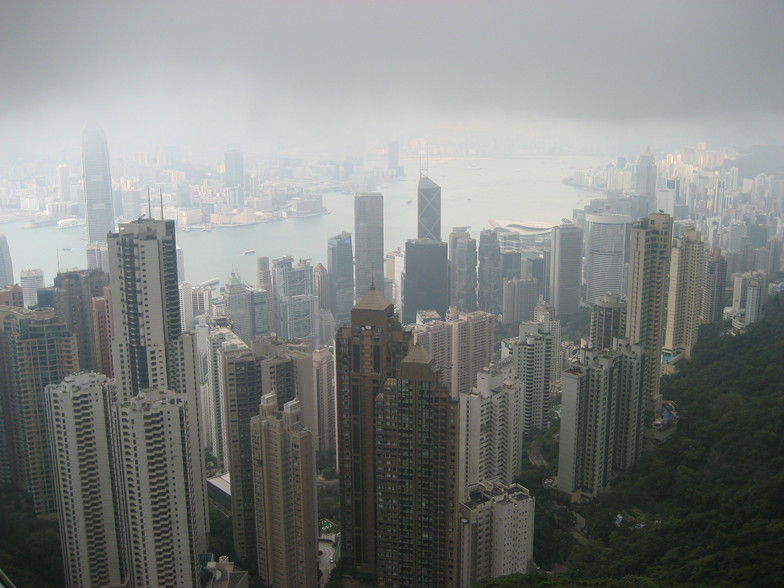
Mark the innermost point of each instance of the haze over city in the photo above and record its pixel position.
(573, 75)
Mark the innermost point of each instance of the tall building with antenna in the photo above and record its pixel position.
(97, 185)
(156, 428)
(428, 209)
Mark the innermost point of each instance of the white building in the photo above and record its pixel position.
(163, 501)
(156, 434)
(496, 532)
(31, 280)
(602, 408)
(80, 440)
(606, 236)
(535, 356)
(491, 429)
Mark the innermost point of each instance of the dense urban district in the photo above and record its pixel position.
(594, 403)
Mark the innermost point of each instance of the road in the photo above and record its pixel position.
(326, 553)
(535, 456)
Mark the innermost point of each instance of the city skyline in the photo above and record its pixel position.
(359, 293)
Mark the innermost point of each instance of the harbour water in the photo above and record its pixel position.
(473, 191)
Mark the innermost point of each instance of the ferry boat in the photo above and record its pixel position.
(68, 223)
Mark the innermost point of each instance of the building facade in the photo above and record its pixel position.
(78, 418)
(284, 483)
(646, 298)
(428, 209)
(416, 445)
(368, 241)
(366, 354)
(566, 269)
(98, 197)
(685, 294)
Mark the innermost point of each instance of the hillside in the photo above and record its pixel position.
(706, 508)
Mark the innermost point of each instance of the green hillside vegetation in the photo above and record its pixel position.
(707, 507)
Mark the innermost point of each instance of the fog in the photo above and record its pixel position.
(231, 73)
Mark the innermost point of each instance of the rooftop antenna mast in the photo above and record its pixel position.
(424, 171)
(149, 202)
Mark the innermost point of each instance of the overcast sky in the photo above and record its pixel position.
(156, 73)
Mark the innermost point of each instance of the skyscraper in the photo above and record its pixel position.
(340, 265)
(63, 179)
(393, 157)
(462, 266)
(78, 419)
(368, 241)
(156, 437)
(496, 516)
(426, 283)
(97, 185)
(73, 300)
(713, 288)
(489, 291)
(684, 302)
(284, 484)
(297, 306)
(428, 209)
(234, 175)
(6, 267)
(145, 307)
(649, 263)
(247, 309)
(163, 498)
(366, 354)
(246, 375)
(491, 428)
(608, 321)
(535, 355)
(601, 417)
(646, 180)
(459, 347)
(324, 389)
(566, 269)
(497, 532)
(36, 349)
(606, 236)
(31, 280)
(416, 446)
(520, 298)
(322, 288)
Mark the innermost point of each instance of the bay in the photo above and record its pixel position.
(473, 191)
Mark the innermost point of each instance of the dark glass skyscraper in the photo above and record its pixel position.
(340, 265)
(426, 285)
(428, 209)
(97, 185)
(490, 292)
(462, 270)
